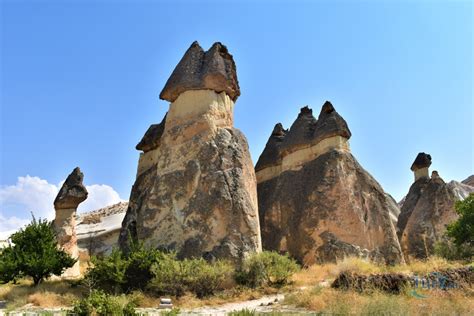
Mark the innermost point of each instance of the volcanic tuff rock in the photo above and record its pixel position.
(426, 211)
(316, 201)
(71, 194)
(195, 190)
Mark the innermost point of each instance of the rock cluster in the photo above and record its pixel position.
(71, 194)
(195, 191)
(427, 209)
(315, 200)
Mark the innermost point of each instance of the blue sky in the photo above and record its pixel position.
(80, 82)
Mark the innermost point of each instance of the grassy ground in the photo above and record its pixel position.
(308, 290)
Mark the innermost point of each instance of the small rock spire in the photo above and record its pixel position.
(420, 166)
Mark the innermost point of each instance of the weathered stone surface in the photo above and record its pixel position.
(426, 211)
(199, 70)
(72, 193)
(323, 205)
(195, 192)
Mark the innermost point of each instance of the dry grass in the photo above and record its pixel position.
(432, 302)
(308, 293)
(47, 294)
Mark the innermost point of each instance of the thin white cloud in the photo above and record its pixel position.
(35, 195)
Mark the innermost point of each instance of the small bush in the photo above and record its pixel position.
(100, 303)
(168, 276)
(108, 272)
(203, 278)
(173, 277)
(266, 268)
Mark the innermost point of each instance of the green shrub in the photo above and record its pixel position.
(458, 243)
(203, 278)
(168, 276)
(100, 303)
(243, 312)
(108, 272)
(266, 268)
(34, 253)
(139, 262)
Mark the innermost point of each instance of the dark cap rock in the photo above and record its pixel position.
(330, 124)
(301, 131)
(73, 191)
(271, 154)
(421, 161)
(198, 70)
(152, 137)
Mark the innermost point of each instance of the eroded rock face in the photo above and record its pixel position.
(316, 201)
(195, 191)
(426, 211)
(71, 194)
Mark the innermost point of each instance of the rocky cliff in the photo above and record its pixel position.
(195, 190)
(316, 201)
(427, 209)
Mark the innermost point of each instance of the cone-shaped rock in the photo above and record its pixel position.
(316, 201)
(71, 194)
(427, 209)
(195, 191)
(199, 70)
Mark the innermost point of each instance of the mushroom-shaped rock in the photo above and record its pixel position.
(199, 70)
(306, 195)
(422, 160)
(420, 166)
(73, 192)
(195, 190)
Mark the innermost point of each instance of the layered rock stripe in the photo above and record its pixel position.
(315, 200)
(195, 191)
(71, 194)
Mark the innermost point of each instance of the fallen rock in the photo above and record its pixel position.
(315, 200)
(195, 191)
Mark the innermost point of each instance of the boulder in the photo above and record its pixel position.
(195, 191)
(316, 201)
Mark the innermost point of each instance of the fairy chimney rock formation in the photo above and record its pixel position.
(421, 165)
(427, 210)
(315, 200)
(72, 193)
(195, 191)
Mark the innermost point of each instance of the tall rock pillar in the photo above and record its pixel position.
(195, 191)
(72, 193)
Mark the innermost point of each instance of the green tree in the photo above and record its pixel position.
(34, 253)
(462, 230)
